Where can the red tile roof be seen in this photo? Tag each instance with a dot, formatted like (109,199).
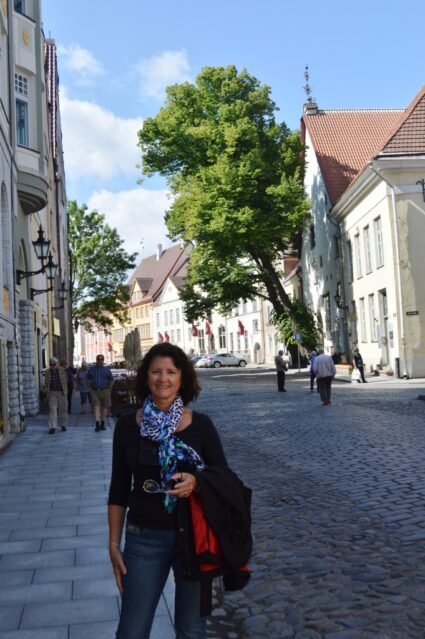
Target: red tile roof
(345,140)
(409,134)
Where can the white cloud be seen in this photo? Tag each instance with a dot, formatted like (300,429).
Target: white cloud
(97,143)
(81,62)
(159,71)
(138,216)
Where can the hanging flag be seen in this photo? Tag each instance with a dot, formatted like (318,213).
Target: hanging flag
(208,330)
(241,328)
(109,345)
(194,330)
(160,337)
(167,337)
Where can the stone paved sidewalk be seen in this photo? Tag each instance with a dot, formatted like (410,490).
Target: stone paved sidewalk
(56,580)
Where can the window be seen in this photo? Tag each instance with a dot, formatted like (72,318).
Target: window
(157,320)
(336,246)
(255,326)
(372,323)
(21,84)
(177,316)
(201,340)
(20,6)
(179,335)
(246,340)
(221,337)
(349,261)
(172,336)
(232,344)
(255,305)
(171,316)
(22,136)
(358,256)
(189,333)
(165,318)
(367,252)
(312,237)
(379,245)
(363,335)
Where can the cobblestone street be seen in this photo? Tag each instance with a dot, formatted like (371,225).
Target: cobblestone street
(338,507)
(338,516)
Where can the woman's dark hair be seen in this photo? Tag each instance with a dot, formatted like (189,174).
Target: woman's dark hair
(190,387)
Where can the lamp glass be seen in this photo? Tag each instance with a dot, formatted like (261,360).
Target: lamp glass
(51,268)
(63,293)
(41,245)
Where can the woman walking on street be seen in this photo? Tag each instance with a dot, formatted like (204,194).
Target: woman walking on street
(359,364)
(82,386)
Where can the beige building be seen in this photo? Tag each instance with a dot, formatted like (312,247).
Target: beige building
(146,286)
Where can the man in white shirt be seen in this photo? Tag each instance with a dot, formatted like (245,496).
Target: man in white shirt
(324,368)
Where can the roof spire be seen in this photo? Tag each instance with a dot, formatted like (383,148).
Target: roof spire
(310,107)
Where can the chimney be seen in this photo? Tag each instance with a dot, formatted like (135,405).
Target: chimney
(310,107)
(158,252)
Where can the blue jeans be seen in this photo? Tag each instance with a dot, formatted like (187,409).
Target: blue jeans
(148,557)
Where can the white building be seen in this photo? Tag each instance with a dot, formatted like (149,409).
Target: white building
(362,263)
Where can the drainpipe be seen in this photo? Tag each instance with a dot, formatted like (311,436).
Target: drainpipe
(397,252)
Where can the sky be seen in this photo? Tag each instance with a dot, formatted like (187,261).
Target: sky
(116,58)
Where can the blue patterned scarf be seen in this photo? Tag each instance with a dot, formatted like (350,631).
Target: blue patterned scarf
(160,427)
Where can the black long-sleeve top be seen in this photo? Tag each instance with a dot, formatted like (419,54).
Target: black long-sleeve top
(135,459)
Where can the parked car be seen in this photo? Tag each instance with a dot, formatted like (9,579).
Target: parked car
(195,358)
(216,360)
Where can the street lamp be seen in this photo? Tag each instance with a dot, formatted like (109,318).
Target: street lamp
(50,270)
(339,301)
(41,247)
(63,294)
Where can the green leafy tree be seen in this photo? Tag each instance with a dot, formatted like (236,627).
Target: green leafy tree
(98,269)
(300,320)
(131,349)
(236,177)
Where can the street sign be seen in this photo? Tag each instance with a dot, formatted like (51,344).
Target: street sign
(298,337)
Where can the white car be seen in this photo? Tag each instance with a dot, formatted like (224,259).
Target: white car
(216,360)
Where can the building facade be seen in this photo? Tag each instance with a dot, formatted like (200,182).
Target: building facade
(362,266)
(26,186)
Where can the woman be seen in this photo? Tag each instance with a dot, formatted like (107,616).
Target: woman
(82,385)
(359,365)
(163,442)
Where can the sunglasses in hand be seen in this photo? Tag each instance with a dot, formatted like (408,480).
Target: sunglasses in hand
(152,486)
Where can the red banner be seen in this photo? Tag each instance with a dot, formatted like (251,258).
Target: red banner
(194,330)
(208,330)
(167,337)
(160,337)
(241,328)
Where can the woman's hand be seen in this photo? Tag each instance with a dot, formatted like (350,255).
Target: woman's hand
(118,565)
(185,486)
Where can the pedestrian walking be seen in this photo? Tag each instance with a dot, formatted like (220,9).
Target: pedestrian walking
(82,386)
(160,457)
(100,380)
(57,391)
(70,373)
(359,365)
(313,356)
(325,371)
(280,364)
